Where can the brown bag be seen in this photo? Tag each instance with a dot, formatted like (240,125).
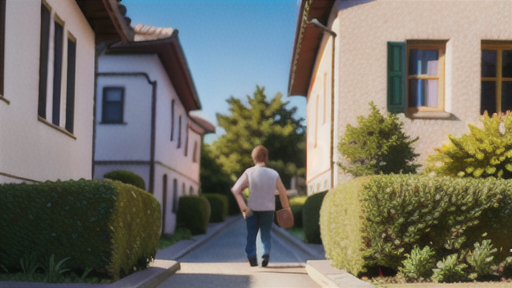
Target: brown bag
(285,218)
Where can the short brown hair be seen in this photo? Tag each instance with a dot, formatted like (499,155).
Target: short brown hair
(260,154)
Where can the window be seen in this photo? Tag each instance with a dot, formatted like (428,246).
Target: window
(325,98)
(175,197)
(316,119)
(191,191)
(179,132)
(186,142)
(113,102)
(496,92)
(54,58)
(172,120)
(194,156)
(2,46)
(164,201)
(423,63)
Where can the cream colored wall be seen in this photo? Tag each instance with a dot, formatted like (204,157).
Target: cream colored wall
(365,27)
(318,171)
(29,148)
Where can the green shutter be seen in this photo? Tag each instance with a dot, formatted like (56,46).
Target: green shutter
(396,77)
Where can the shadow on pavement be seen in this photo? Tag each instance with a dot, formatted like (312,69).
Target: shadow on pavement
(208,281)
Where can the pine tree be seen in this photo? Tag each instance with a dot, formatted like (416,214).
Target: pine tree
(261,122)
(377,146)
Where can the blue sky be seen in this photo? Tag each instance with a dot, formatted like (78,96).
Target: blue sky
(231,46)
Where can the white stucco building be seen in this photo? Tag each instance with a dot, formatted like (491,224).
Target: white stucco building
(145,93)
(47,63)
(438,64)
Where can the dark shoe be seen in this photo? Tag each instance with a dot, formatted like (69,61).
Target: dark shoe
(253,261)
(265,261)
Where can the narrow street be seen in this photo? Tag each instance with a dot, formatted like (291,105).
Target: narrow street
(221,262)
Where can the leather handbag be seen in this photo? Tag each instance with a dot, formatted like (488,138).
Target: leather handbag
(285,218)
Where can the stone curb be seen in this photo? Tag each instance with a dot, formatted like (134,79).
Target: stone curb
(307,249)
(322,272)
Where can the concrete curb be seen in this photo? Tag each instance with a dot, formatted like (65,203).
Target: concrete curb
(322,272)
(312,251)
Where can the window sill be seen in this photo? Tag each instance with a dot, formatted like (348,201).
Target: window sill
(2,98)
(113,123)
(430,115)
(60,129)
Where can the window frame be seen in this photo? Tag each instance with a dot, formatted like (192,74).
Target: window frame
(103,110)
(440,46)
(2,49)
(497,46)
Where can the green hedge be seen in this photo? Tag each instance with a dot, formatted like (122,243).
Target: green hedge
(106,226)
(126,177)
(311,217)
(374,221)
(219,205)
(194,214)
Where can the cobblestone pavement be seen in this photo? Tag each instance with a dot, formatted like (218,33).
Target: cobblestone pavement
(221,262)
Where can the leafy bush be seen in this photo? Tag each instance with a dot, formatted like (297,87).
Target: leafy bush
(296,205)
(311,217)
(482,153)
(194,214)
(219,205)
(126,177)
(480,259)
(377,146)
(450,270)
(374,221)
(102,225)
(419,263)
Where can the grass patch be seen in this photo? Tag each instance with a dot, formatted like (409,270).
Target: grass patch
(68,277)
(167,240)
(297,233)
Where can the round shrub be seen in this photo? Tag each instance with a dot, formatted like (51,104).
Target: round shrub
(194,214)
(219,205)
(311,217)
(126,177)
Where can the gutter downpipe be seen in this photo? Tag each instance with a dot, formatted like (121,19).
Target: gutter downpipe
(153,121)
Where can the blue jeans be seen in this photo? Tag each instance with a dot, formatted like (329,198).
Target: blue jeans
(259,220)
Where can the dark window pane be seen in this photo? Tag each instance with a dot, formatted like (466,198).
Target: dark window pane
(57,73)
(488,100)
(416,93)
(2,41)
(415,56)
(489,63)
(112,112)
(70,90)
(114,95)
(43,60)
(507,63)
(506,96)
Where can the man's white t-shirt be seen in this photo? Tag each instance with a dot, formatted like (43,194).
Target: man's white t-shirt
(262,186)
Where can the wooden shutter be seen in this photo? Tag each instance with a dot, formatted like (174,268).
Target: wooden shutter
(43,60)
(396,77)
(70,92)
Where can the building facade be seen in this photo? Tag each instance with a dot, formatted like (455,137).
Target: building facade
(437,64)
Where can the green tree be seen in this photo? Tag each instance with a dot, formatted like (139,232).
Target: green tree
(260,122)
(377,146)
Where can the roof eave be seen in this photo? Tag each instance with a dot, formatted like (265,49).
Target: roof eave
(173,59)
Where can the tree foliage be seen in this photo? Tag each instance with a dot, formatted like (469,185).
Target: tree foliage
(485,152)
(377,146)
(260,121)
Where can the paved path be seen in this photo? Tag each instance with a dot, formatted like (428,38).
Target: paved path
(221,262)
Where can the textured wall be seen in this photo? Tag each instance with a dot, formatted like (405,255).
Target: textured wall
(365,27)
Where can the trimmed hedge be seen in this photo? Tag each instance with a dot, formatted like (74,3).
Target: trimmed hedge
(297,204)
(311,217)
(126,177)
(219,205)
(194,214)
(376,220)
(106,226)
